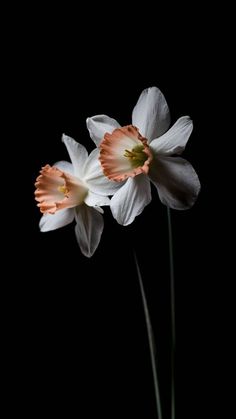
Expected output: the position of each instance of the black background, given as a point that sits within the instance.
(80, 346)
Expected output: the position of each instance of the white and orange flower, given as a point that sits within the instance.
(66, 191)
(142, 152)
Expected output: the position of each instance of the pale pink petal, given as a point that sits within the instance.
(94, 177)
(48, 185)
(124, 153)
(57, 190)
(75, 192)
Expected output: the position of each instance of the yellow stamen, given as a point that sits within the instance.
(63, 189)
(136, 155)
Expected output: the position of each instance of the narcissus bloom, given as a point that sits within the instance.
(75, 190)
(142, 152)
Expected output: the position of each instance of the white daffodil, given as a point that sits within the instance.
(66, 191)
(142, 152)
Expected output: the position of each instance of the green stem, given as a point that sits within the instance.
(172, 300)
(150, 340)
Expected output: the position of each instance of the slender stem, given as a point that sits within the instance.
(172, 300)
(150, 340)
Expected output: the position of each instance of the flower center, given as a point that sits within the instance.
(137, 156)
(124, 153)
(63, 189)
(57, 190)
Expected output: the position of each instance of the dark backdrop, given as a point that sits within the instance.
(79, 327)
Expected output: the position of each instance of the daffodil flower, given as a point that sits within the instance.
(68, 191)
(142, 152)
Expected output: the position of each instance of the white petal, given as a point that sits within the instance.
(131, 199)
(151, 114)
(175, 139)
(96, 181)
(99, 209)
(78, 154)
(98, 125)
(60, 219)
(94, 200)
(65, 166)
(176, 181)
(88, 229)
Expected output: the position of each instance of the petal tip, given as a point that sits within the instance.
(64, 137)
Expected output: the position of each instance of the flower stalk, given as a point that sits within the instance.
(151, 341)
(172, 301)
